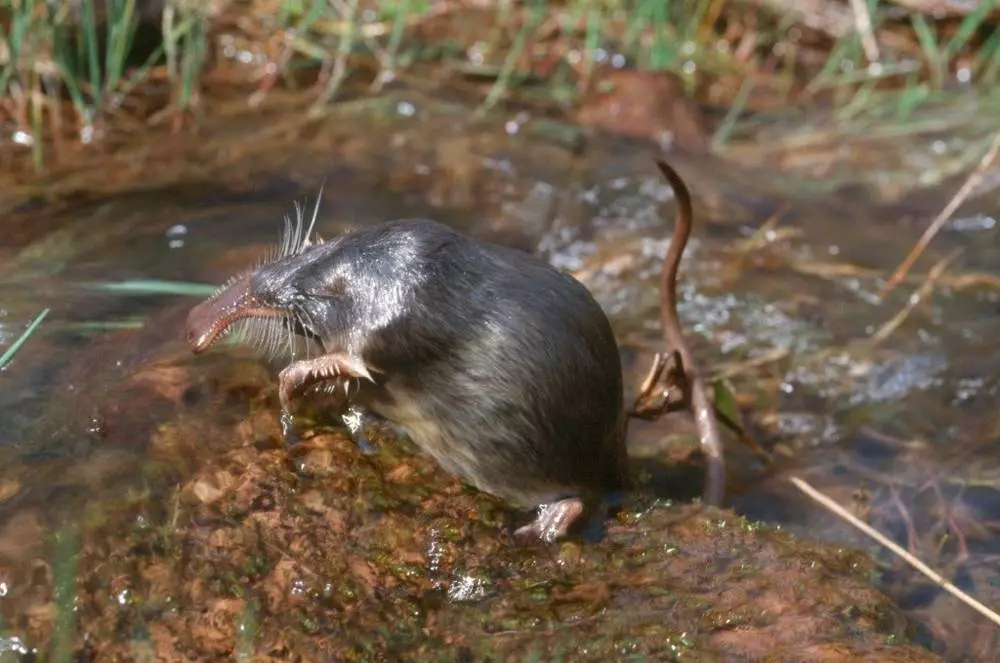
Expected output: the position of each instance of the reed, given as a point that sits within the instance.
(76, 71)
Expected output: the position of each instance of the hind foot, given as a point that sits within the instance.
(554, 520)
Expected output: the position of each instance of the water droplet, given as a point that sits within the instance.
(14, 644)
(475, 54)
(973, 223)
(467, 588)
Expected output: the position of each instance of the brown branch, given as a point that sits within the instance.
(659, 393)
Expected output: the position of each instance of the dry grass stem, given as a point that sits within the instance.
(724, 371)
(922, 293)
(863, 24)
(973, 180)
(761, 237)
(833, 270)
(930, 573)
(824, 16)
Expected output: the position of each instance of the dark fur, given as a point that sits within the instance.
(502, 368)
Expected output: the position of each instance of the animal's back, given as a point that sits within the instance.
(504, 369)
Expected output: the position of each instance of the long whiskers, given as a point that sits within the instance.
(297, 236)
(274, 336)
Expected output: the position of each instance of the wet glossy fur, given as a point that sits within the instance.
(502, 368)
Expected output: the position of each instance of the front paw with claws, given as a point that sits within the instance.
(299, 376)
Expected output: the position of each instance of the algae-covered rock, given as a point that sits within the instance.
(332, 554)
(197, 537)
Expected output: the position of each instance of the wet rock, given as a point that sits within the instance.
(226, 545)
(21, 534)
(385, 557)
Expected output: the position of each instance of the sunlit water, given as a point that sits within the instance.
(904, 430)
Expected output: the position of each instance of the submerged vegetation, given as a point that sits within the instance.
(87, 71)
(14, 347)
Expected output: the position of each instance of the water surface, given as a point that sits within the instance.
(903, 431)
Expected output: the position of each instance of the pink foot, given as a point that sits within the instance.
(553, 521)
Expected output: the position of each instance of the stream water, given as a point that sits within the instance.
(903, 430)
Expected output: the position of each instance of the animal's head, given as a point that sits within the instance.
(265, 303)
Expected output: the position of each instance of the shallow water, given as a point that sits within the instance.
(911, 419)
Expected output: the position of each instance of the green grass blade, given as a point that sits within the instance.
(64, 568)
(725, 130)
(316, 10)
(845, 49)
(988, 60)
(592, 40)
(344, 47)
(632, 29)
(395, 38)
(156, 287)
(513, 55)
(927, 37)
(141, 73)
(105, 325)
(194, 55)
(64, 60)
(122, 27)
(661, 53)
(912, 96)
(20, 25)
(16, 346)
(89, 45)
(967, 28)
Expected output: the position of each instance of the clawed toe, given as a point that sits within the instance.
(289, 433)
